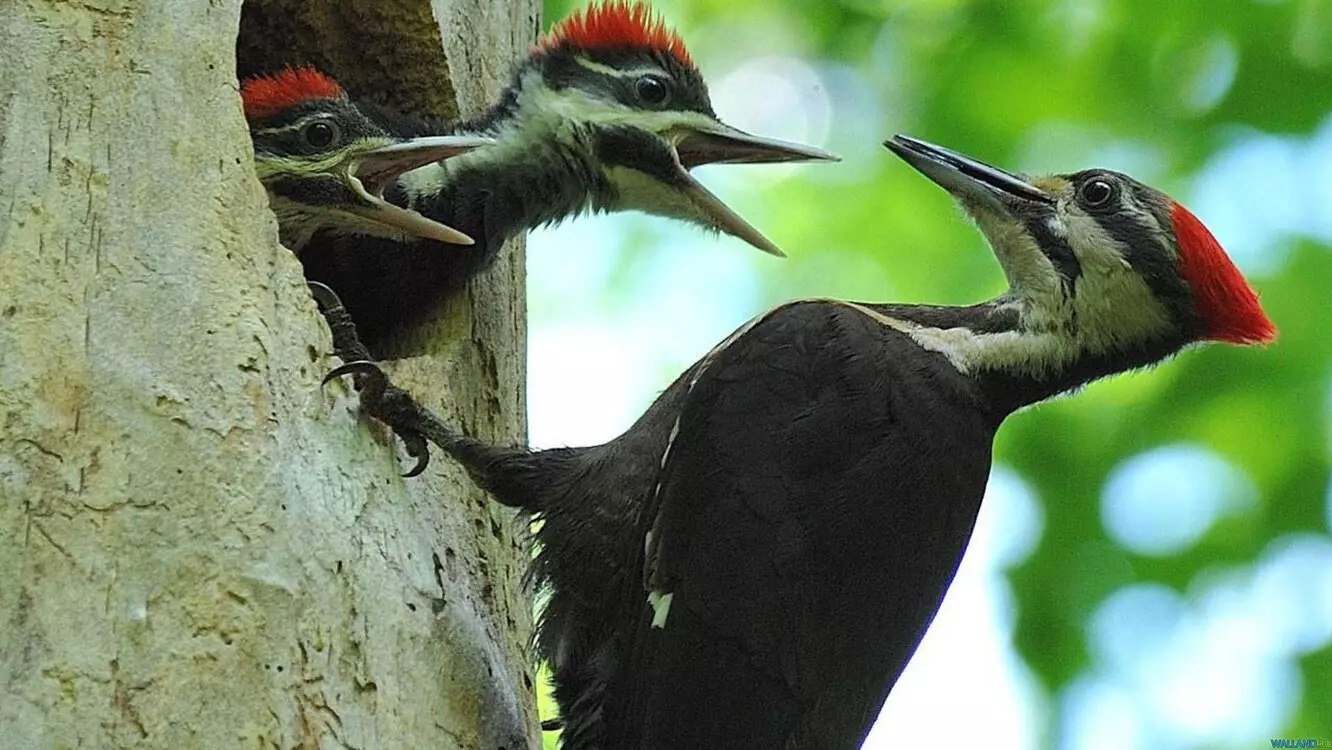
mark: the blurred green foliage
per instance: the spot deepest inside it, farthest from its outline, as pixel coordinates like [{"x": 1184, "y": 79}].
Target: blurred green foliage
[{"x": 1164, "y": 87}]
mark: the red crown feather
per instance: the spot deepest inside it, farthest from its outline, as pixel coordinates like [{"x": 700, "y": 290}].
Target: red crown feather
[
  {"x": 1225, "y": 301},
  {"x": 265, "y": 96},
  {"x": 616, "y": 23}
]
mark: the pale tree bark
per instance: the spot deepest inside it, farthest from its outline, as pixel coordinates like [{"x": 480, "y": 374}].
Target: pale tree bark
[{"x": 199, "y": 547}]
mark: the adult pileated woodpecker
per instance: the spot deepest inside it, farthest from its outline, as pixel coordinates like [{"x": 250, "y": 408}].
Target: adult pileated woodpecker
[
  {"x": 325, "y": 164},
  {"x": 754, "y": 561},
  {"x": 607, "y": 113}
]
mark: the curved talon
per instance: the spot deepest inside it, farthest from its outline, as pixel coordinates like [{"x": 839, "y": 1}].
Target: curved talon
[
  {"x": 324, "y": 296},
  {"x": 362, "y": 367},
  {"x": 379, "y": 398},
  {"x": 416, "y": 448}
]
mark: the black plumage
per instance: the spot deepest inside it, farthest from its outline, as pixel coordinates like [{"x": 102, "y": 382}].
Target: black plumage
[
  {"x": 613, "y": 146},
  {"x": 754, "y": 561},
  {"x": 389, "y": 285},
  {"x": 797, "y": 518},
  {"x": 800, "y": 531}
]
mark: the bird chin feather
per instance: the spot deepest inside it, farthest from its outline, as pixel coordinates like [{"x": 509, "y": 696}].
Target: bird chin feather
[{"x": 636, "y": 191}]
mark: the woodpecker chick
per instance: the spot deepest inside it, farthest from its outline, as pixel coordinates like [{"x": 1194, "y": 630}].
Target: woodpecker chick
[
  {"x": 326, "y": 165},
  {"x": 613, "y": 89},
  {"x": 607, "y": 113},
  {"x": 752, "y": 564}
]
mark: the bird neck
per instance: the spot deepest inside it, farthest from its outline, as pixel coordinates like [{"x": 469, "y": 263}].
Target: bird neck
[
  {"x": 543, "y": 168},
  {"x": 511, "y": 188},
  {"x": 1014, "y": 354}
]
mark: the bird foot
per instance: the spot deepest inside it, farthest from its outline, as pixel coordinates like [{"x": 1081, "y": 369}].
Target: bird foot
[
  {"x": 380, "y": 399},
  {"x": 347, "y": 344}
]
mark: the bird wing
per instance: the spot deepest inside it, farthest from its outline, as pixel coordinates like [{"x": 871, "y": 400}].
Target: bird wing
[{"x": 795, "y": 459}]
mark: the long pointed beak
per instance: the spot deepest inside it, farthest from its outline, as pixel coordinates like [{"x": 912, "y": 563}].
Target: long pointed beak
[
  {"x": 368, "y": 173},
  {"x": 722, "y": 144},
  {"x": 966, "y": 178}
]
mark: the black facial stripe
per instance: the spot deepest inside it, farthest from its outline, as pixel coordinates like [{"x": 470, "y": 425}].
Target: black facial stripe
[
  {"x": 289, "y": 124},
  {"x": 1144, "y": 250},
  {"x": 623, "y": 89},
  {"x": 324, "y": 190},
  {"x": 688, "y": 91},
  {"x": 295, "y": 113},
  {"x": 1058, "y": 251},
  {"x": 281, "y": 134},
  {"x": 644, "y": 151}
]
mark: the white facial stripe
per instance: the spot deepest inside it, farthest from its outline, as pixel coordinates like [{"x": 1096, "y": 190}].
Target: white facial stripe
[
  {"x": 1113, "y": 303},
  {"x": 1110, "y": 305},
  {"x": 965, "y": 349},
  {"x": 275, "y": 166},
  {"x": 268, "y": 165},
  {"x": 547, "y": 115},
  {"x": 1109, "y": 310},
  {"x": 1093, "y": 244},
  {"x": 341, "y": 162},
  {"x": 295, "y": 126},
  {"x": 607, "y": 70},
  {"x": 545, "y": 109},
  {"x": 1024, "y": 352}
]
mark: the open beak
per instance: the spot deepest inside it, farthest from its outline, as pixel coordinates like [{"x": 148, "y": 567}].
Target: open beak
[
  {"x": 368, "y": 173},
  {"x": 722, "y": 144},
  {"x": 969, "y": 181}
]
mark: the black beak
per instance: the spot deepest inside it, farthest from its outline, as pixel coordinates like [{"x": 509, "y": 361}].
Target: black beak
[
  {"x": 966, "y": 178},
  {"x": 719, "y": 143},
  {"x": 723, "y": 144}
]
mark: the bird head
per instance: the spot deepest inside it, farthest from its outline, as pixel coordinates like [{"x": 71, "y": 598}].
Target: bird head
[
  {"x": 1103, "y": 258},
  {"x": 615, "y": 81},
  {"x": 326, "y": 165}
]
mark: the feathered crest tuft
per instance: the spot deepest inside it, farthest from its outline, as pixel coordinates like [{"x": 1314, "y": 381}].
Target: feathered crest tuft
[
  {"x": 265, "y": 96},
  {"x": 1227, "y": 304},
  {"x": 616, "y": 23}
]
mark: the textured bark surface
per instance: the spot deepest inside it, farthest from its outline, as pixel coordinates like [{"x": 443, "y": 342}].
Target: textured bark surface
[{"x": 199, "y": 547}]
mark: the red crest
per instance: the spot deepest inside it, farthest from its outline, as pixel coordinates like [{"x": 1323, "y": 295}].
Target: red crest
[
  {"x": 1227, "y": 304},
  {"x": 265, "y": 96},
  {"x": 616, "y": 23}
]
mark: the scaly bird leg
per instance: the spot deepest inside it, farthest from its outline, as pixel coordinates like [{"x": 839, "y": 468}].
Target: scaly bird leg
[
  {"x": 395, "y": 407},
  {"x": 379, "y": 397}
]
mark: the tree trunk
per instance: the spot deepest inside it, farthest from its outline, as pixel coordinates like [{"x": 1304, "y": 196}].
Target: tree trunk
[{"x": 200, "y": 547}]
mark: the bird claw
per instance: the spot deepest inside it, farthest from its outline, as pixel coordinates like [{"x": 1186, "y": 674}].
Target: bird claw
[
  {"x": 347, "y": 344},
  {"x": 324, "y": 296},
  {"x": 416, "y": 447},
  {"x": 379, "y": 397},
  {"x": 368, "y": 375}
]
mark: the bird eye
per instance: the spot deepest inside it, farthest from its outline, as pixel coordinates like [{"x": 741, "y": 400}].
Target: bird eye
[
  {"x": 652, "y": 90},
  {"x": 320, "y": 133},
  {"x": 1096, "y": 193}
]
